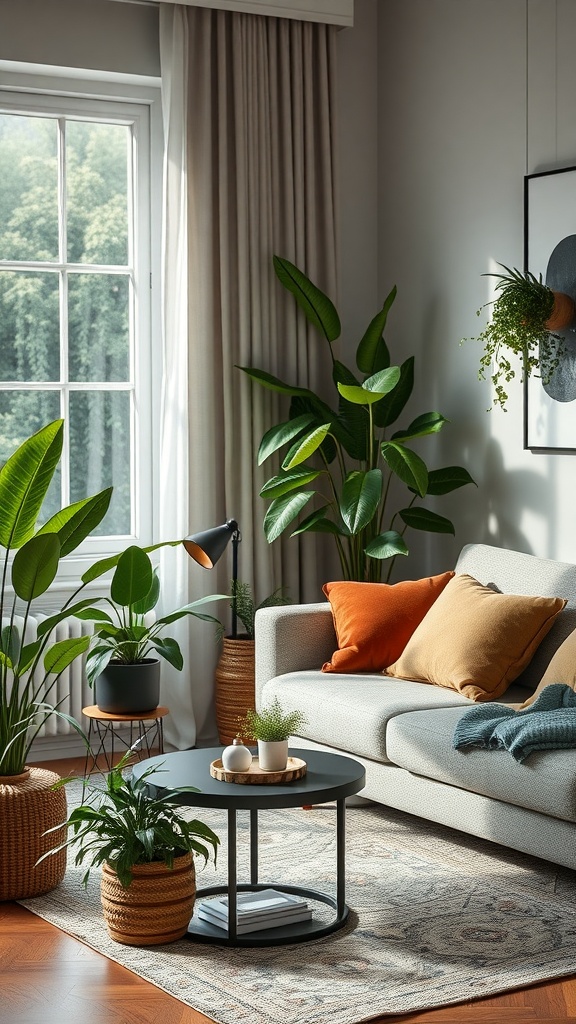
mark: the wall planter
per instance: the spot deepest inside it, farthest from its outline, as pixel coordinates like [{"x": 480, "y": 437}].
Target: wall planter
[
  {"x": 124, "y": 689},
  {"x": 28, "y": 807},
  {"x": 157, "y": 905}
]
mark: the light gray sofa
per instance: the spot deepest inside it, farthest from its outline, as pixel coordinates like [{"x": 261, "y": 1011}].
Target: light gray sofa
[{"x": 402, "y": 730}]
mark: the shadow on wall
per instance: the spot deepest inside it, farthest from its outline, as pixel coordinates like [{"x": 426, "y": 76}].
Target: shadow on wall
[{"x": 503, "y": 496}]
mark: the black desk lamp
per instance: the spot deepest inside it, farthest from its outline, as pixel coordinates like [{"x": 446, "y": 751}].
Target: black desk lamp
[{"x": 207, "y": 547}]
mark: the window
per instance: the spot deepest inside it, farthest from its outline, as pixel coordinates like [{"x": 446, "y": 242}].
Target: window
[{"x": 76, "y": 306}]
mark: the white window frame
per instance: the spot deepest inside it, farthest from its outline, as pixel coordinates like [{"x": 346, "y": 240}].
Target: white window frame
[{"x": 105, "y": 97}]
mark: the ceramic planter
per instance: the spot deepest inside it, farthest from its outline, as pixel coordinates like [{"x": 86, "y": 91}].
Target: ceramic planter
[
  {"x": 125, "y": 689},
  {"x": 562, "y": 312},
  {"x": 273, "y": 755}
]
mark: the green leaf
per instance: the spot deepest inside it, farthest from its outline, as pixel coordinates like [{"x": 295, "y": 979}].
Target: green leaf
[
  {"x": 284, "y": 482},
  {"x": 97, "y": 661},
  {"x": 428, "y": 423},
  {"x": 64, "y": 652},
  {"x": 282, "y": 511},
  {"x": 317, "y": 307},
  {"x": 384, "y": 381},
  {"x": 281, "y": 434},
  {"x": 169, "y": 649},
  {"x": 28, "y": 655},
  {"x": 359, "y": 395},
  {"x": 306, "y": 447},
  {"x": 76, "y": 522},
  {"x": 151, "y": 600},
  {"x": 35, "y": 566},
  {"x": 372, "y": 349},
  {"x": 390, "y": 408},
  {"x": 190, "y": 609},
  {"x": 443, "y": 481},
  {"x": 361, "y": 493},
  {"x": 10, "y": 643},
  {"x": 47, "y": 625},
  {"x": 105, "y": 564},
  {"x": 132, "y": 578},
  {"x": 423, "y": 519},
  {"x": 24, "y": 481},
  {"x": 317, "y": 522},
  {"x": 274, "y": 384},
  {"x": 408, "y": 466},
  {"x": 387, "y": 545}
]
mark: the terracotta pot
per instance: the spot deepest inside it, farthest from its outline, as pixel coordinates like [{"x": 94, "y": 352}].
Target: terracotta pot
[
  {"x": 562, "y": 314},
  {"x": 235, "y": 685},
  {"x": 28, "y": 807},
  {"x": 157, "y": 905}
]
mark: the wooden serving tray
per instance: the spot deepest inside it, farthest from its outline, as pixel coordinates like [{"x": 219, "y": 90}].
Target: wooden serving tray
[{"x": 256, "y": 776}]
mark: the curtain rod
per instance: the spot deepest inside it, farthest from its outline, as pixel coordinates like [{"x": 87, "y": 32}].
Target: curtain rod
[{"x": 332, "y": 12}]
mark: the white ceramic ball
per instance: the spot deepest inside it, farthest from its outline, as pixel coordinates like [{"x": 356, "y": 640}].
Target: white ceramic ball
[{"x": 236, "y": 758}]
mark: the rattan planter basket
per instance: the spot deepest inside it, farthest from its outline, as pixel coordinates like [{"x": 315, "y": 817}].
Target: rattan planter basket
[
  {"x": 157, "y": 905},
  {"x": 234, "y": 679},
  {"x": 28, "y": 807}
]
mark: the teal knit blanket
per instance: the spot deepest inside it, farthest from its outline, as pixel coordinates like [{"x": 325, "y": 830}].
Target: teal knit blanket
[{"x": 547, "y": 724}]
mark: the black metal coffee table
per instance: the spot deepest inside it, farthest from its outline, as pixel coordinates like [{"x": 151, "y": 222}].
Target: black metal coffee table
[{"x": 329, "y": 777}]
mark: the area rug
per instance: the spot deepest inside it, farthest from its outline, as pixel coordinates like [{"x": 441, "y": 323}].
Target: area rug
[{"x": 436, "y": 918}]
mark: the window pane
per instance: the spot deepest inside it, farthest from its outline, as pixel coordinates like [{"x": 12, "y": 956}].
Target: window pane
[
  {"x": 29, "y": 193},
  {"x": 98, "y": 327},
  {"x": 23, "y": 413},
  {"x": 97, "y": 192},
  {"x": 100, "y": 453},
  {"x": 29, "y": 326}
]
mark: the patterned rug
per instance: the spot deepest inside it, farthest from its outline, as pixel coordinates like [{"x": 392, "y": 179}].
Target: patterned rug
[{"x": 437, "y": 917}]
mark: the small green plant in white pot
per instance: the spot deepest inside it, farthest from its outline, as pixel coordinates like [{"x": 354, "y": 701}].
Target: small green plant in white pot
[{"x": 271, "y": 727}]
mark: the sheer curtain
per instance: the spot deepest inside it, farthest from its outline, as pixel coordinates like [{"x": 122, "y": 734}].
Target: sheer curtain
[{"x": 249, "y": 172}]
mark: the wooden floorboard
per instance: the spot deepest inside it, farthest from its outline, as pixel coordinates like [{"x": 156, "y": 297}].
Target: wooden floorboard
[{"x": 48, "y": 977}]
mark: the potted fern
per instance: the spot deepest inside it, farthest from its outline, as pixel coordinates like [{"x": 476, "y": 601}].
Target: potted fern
[
  {"x": 235, "y": 677},
  {"x": 271, "y": 727},
  {"x": 524, "y": 319},
  {"x": 146, "y": 849}
]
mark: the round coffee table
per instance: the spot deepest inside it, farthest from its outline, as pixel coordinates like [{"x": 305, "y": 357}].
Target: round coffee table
[{"x": 329, "y": 777}]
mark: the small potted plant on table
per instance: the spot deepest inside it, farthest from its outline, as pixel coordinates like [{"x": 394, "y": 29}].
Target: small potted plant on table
[
  {"x": 146, "y": 849},
  {"x": 271, "y": 727}
]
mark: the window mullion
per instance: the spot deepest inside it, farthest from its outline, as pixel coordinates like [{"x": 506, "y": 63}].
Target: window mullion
[{"x": 63, "y": 292}]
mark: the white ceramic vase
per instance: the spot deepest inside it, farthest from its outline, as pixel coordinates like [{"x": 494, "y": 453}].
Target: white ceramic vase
[
  {"x": 236, "y": 757},
  {"x": 273, "y": 755}
]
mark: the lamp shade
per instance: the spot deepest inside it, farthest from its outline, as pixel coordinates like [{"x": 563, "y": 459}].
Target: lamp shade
[{"x": 207, "y": 547}]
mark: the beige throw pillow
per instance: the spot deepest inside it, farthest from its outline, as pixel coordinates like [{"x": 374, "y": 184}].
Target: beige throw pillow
[
  {"x": 475, "y": 640},
  {"x": 562, "y": 669}
]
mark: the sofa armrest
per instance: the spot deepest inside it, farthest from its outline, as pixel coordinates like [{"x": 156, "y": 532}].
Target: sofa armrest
[{"x": 292, "y": 637}]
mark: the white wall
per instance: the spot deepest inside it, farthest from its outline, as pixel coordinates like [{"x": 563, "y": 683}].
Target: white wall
[{"x": 465, "y": 109}]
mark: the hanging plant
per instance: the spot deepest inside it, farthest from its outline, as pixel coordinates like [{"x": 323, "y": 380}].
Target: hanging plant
[{"x": 524, "y": 320}]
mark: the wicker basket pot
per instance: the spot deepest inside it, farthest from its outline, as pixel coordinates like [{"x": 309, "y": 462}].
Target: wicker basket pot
[
  {"x": 157, "y": 905},
  {"x": 28, "y": 807},
  {"x": 234, "y": 685}
]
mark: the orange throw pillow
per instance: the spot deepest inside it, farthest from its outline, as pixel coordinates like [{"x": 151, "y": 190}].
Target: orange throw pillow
[{"x": 374, "y": 621}]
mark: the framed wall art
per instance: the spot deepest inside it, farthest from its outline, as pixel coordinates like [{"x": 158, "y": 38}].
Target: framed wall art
[{"x": 550, "y": 250}]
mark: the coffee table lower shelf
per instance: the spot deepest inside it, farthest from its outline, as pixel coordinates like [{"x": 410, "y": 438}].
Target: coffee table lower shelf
[{"x": 301, "y": 931}]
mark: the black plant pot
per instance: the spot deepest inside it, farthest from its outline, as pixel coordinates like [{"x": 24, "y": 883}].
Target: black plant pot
[{"x": 127, "y": 689}]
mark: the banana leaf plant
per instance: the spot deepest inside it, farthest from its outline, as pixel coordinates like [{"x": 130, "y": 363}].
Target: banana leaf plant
[{"x": 347, "y": 452}]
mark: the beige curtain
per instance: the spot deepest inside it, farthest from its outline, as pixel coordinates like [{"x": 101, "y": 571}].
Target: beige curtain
[{"x": 256, "y": 95}]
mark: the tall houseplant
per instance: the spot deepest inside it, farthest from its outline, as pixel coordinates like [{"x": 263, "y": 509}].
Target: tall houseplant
[
  {"x": 30, "y": 668},
  {"x": 347, "y": 452},
  {"x": 523, "y": 320},
  {"x": 123, "y": 662}
]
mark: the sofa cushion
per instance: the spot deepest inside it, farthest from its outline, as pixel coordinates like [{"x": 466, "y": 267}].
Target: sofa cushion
[
  {"x": 374, "y": 621},
  {"x": 562, "y": 669},
  {"x": 475, "y": 640},
  {"x": 352, "y": 715},
  {"x": 421, "y": 742}
]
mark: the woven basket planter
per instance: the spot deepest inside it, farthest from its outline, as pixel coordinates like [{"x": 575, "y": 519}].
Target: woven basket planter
[
  {"x": 234, "y": 686},
  {"x": 28, "y": 807},
  {"x": 157, "y": 905}
]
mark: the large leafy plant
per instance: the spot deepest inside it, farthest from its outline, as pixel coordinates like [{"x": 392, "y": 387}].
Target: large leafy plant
[
  {"x": 125, "y": 633},
  {"x": 348, "y": 452},
  {"x": 124, "y": 826},
  {"x": 29, "y": 671}
]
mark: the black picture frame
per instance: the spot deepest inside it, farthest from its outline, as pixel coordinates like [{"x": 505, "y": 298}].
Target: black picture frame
[{"x": 550, "y": 218}]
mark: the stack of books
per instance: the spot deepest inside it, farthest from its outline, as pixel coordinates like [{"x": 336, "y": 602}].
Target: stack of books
[{"x": 256, "y": 911}]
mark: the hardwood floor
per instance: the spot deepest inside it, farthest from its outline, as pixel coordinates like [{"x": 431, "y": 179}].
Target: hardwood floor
[{"x": 47, "y": 977}]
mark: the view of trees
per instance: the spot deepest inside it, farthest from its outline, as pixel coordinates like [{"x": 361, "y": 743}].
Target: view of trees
[{"x": 65, "y": 330}]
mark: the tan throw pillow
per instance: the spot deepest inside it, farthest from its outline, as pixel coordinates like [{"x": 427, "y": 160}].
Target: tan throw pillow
[
  {"x": 476, "y": 640},
  {"x": 562, "y": 669}
]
